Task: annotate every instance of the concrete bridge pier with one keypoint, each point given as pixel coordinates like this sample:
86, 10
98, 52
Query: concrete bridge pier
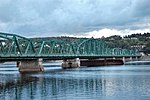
71, 63
123, 59
30, 66
131, 58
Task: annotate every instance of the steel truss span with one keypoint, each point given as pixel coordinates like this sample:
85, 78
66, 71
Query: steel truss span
15, 47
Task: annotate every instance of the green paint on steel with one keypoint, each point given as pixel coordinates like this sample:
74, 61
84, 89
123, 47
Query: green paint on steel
12, 45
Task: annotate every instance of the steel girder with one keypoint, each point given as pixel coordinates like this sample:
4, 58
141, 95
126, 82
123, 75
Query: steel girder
11, 44
15, 45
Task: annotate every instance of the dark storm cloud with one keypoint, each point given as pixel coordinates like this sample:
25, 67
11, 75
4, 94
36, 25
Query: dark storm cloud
72, 16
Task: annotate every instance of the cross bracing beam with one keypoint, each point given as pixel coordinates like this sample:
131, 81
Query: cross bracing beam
12, 45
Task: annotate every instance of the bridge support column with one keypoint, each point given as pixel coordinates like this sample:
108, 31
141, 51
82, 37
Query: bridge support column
30, 66
123, 59
71, 63
136, 58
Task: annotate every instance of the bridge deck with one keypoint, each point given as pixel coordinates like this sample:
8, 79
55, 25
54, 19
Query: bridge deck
62, 57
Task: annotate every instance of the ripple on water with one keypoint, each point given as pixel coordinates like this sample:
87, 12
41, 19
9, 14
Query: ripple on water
86, 83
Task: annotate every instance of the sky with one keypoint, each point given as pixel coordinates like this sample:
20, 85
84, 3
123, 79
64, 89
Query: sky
82, 18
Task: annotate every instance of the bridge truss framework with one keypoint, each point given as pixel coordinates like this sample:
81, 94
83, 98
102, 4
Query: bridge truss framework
15, 47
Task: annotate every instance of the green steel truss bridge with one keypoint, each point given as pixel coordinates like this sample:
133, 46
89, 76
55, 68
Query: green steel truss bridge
15, 47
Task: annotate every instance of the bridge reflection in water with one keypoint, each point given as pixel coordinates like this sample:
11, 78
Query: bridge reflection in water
106, 83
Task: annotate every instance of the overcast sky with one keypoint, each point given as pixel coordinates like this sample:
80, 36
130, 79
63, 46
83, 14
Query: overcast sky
74, 17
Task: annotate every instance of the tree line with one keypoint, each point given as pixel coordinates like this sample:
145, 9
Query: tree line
138, 41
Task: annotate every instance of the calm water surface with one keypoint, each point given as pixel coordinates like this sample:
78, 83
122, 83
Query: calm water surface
127, 82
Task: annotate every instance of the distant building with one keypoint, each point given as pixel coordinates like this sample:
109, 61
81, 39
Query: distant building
138, 47
134, 38
142, 53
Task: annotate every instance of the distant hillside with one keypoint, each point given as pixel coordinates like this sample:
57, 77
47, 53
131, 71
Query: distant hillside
138, 35
140, 42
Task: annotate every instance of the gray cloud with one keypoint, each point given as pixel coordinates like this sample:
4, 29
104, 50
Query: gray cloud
72, 16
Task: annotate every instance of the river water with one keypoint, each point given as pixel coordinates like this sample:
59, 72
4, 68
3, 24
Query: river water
125, 82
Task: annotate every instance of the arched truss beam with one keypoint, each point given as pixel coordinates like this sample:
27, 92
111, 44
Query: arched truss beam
55, 47
15, 44
92, 46
11, 44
